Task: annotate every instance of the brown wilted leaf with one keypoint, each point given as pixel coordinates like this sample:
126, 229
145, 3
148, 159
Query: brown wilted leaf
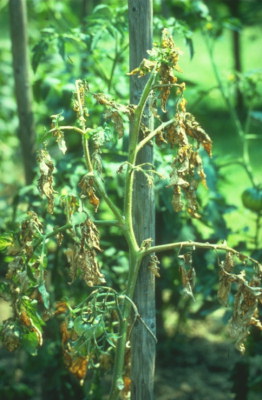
224, 287
117, 121
176, 199
153, 266
90, 235
14, 266
88, 190
82, 256
25, 319
225, 278
10, 335
45, 182
188, 274
245, 305
61, 307
194, 130
79, 367
144, 68
66, 334
115, 112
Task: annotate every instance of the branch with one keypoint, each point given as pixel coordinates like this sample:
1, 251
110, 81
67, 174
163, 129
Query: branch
72, 128
115, 210
154, 133
69, 226
138, 316
223, 247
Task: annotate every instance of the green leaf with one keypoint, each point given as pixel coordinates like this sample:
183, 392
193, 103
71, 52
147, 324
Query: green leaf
30, 343
79, 326
78, 218
38, 52
6, 240
45, 295
89, 331
61, 47
112, 339
30, 307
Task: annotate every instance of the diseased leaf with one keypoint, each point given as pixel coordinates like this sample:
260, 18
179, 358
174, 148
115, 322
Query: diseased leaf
88, 190
45, 295
45, 182
6, 240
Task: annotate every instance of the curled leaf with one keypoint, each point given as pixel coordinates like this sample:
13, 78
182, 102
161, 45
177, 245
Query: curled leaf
194, 130
45, 182
88, 190
153, 266
82, 256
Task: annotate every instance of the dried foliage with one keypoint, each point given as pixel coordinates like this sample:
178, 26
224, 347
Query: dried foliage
88, 332
79, 102
82, 256
115, 112
58, 133
88, 190
247, 294
45, 182
153, 266
184, 133
188, 273
91, 330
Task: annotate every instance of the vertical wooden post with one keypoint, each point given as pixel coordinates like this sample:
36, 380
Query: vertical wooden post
18, 28
143, 343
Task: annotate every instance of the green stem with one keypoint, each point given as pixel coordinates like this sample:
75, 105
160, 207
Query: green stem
67, 127
135, 128
69, 226
87, 154
132, 154
153, 134
53, 233
135, 262
206, 245
102, 192
135, 254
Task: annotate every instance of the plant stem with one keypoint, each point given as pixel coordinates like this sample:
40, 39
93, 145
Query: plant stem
206, 245
53, 233
69, 226
135, 262
67, 127
135, 128
132, 154
153, 134
102, 192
